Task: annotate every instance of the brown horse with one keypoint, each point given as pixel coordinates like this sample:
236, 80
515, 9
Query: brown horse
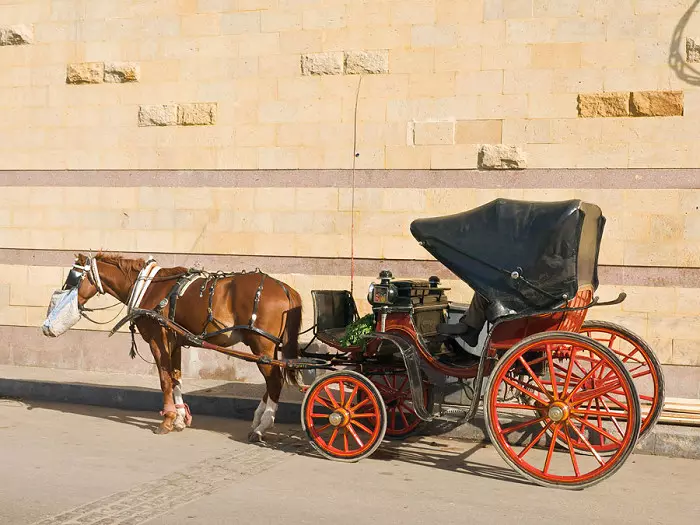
278, 313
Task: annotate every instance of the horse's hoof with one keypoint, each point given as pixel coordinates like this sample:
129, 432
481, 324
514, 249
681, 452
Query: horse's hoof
161, 430
255, 437
179, 424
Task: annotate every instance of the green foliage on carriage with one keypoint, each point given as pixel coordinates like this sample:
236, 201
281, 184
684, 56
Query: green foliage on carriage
355, 331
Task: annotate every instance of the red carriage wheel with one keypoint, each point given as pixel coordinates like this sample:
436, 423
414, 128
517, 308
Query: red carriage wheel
395, 389
344, 416
640, 361
646, 372
521, 429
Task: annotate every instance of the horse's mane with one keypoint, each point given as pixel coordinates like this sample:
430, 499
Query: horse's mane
132, 266
127, 266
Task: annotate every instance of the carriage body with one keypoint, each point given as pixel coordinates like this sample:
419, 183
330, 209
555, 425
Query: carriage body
536, 264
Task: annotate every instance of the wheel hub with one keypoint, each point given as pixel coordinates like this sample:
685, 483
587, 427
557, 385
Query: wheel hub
339, 418
558, 411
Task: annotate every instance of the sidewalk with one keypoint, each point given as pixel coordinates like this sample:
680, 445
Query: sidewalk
239, 400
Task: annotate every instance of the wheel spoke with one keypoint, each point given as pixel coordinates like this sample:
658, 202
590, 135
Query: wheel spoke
599, 417
574, 461
618, 403
641, 374
393, 417
403, 417
599, 430
324, 402
341, 389
534, 376
316, 416
331, 397
323, 428
345, 442
585, 378
403, 384
364, 415
550, 452
526, 392
552, 374
585, 442
352, 396
596, 392
359, 405
517, 406
361, 426
357, 438
522, 425
333, 436
594, 413
570, 370
534, 441
615, 422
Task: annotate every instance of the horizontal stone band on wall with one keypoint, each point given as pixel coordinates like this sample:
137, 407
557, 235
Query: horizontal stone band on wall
584, 179
609, 275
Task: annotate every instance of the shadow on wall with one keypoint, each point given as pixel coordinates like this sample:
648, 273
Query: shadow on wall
676, 59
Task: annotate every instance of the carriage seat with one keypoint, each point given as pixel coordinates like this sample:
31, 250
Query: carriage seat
334, 310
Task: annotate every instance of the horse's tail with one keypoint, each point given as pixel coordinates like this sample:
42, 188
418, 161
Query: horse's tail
290, 338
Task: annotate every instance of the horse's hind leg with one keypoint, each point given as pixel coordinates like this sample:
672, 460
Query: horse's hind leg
273, 379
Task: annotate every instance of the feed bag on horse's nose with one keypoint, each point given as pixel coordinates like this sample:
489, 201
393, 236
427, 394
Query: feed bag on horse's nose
62, 314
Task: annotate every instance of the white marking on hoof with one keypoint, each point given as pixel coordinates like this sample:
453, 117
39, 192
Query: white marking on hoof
255, 437
268, 418
179, 423
258, 415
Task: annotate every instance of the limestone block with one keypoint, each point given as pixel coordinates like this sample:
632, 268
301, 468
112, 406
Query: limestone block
432, 133
196, 114
656, 103
501, 157
363, 62
122, 72
692, 50
479, 131
603, 105
16, 35
85, 73
322, 63
158, 115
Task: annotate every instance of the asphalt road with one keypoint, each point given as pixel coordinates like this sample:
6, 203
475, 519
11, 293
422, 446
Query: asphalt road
67, 464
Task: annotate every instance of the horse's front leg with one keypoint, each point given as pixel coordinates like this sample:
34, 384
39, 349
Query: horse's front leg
159, 349
184, 417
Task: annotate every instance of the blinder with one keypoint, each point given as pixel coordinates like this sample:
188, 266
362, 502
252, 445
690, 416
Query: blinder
75, 277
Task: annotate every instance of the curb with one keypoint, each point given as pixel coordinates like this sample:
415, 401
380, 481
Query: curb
665, 440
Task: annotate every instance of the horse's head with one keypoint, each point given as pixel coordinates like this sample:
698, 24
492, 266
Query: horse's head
82, 284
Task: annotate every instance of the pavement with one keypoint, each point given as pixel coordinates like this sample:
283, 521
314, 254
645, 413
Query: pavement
239, 400
65, 464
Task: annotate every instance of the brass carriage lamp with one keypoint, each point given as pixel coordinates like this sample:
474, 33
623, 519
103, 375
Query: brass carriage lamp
384, 292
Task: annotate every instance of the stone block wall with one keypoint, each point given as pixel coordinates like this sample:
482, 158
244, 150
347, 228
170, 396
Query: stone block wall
535, 69
224, 131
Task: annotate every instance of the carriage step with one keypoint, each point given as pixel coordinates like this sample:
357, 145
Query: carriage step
451, 414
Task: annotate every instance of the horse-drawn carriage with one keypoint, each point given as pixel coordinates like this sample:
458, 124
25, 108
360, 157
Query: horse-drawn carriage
561, 407
555, 382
